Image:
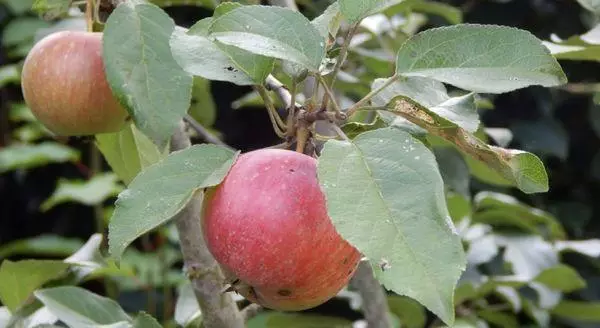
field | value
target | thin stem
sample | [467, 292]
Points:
[291, 119]
[371, 94]
[276, 86]
[166, 290]
[341, 59]
[278, 125]
[343, 53]
[204, 133]
[330, 94]
[340, 132]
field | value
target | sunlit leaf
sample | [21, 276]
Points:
[19, 279]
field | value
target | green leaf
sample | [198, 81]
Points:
[502, 210]
[19, 112]
[482, 250]
[590, 247]
[44, 245]
[454, 169]
[150, 269]
[487, 59]
[23, 156]
[511, 296]
[187, 310]
[328, 23]
[354, 11]
[459, 206]
[410, 313]
[199, 56]
[353, 129]
[19, 279]
[142, 72]
[583, 47]
[271, 31]
[384, 194]
[51, 9]
[561, 277]
[90, 193]
[499, 319]
[78, 307]
[528, 255]
[578, 310]
[21, 31]
[523, 169]
[452, 14]
[18, 7]
[128, 152]
[144, 320]
[591, 5]
[9, 74]
[296, 320]
[163, 189]
[203, 108]
[433, 95]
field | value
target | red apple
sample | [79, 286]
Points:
[65, 86]
[267, 226]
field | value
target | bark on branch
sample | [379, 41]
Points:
[218, 309]
[374, 301]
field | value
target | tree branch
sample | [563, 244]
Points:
[273, 84]
[218, 309]
[204, 133]
[374, 301]
[251, 311]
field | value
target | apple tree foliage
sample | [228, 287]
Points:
[386, 176]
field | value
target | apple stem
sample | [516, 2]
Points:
[374, 301]
[218, 309]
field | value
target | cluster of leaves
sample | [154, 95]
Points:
[386, 187]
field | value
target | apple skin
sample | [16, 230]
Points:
[64, 84]
[267, 226]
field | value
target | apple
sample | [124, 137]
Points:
[267, 226]
[64, 84]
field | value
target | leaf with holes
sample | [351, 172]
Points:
[523, 169]
[433, 95]
[385, 195]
